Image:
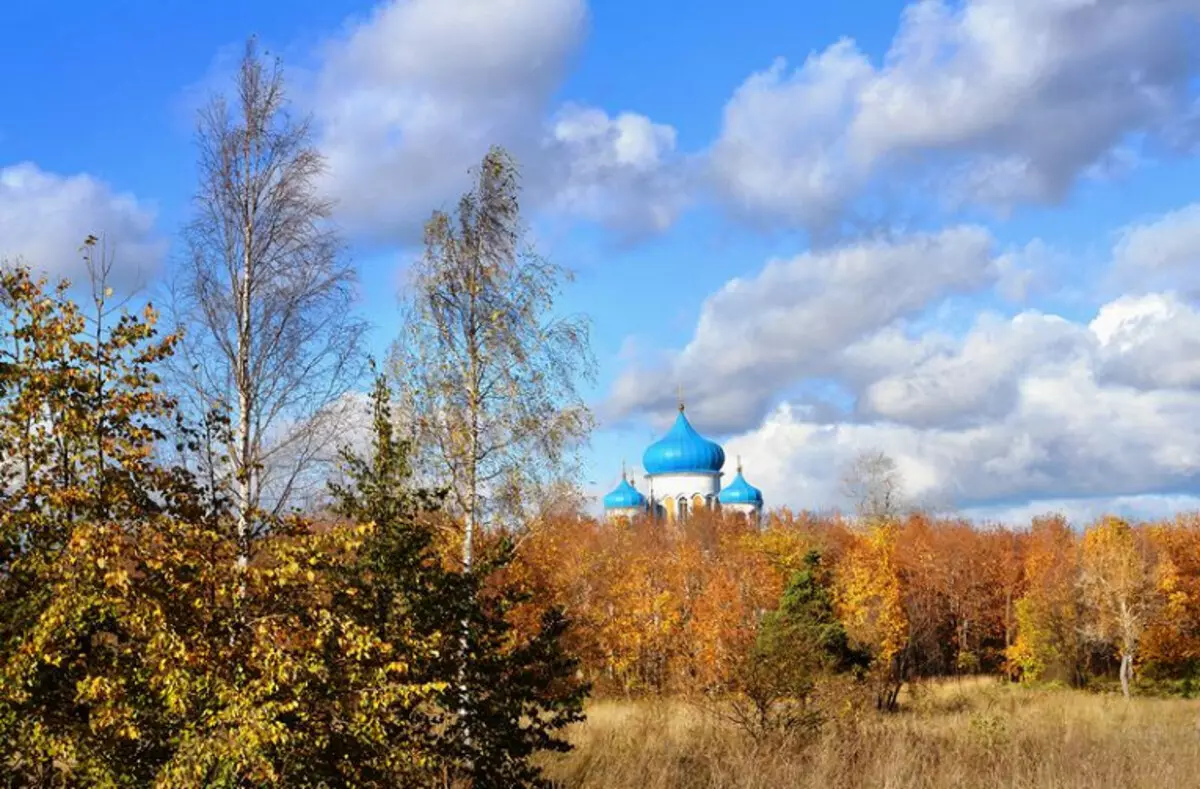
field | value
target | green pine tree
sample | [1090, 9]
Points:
[502, 702]
[797, 644]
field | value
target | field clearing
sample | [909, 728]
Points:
[976, 733]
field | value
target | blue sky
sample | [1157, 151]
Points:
[958, 232]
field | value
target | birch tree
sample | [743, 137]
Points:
[874, 486]
[489, 372]
[265, 294]
[1117, 581]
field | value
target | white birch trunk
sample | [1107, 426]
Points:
[245, 461]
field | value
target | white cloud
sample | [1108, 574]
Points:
[410, 99]
[988, 101]
[600, 157]
[1064, 436]
[1165, 250]
[1033, 408]
[1150, 342]
[978, 381]
[44, 218]
[782, 150]
[760, 334]
[1033, 269]
[998, 101]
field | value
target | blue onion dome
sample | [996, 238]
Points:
[682, 450]
[739, 491]
[624, 496]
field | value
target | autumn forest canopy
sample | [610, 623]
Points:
[203, 583]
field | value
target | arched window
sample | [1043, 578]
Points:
[683, 509]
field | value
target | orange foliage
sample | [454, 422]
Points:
[661, 607]
[1173, 634]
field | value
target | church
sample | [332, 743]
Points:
[683, 475]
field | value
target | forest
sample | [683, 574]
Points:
[235, 551]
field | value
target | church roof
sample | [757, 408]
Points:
[739, 491]
[682, 450]
[624, 496]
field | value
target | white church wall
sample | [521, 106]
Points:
[670, 486]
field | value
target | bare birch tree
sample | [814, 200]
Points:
[489, 372]
[265, 293]
[874, 486]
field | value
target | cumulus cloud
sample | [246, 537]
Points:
[44, 218]
[757, 335]
[1149, 342]
[782, 152]
[409, 99]
[994, 102]
[998, 102]
[599, 158]
[1059, 432]
[1035, 407]
[1161, 251]
[976, 382]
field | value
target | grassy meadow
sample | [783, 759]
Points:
[953, 734]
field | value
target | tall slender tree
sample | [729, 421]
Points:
[873, 484]
[489, 372]
[265, 293]
[1117, 581]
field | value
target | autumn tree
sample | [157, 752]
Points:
[133, 650]
[80, 411]
[1117, 581]
[1007, 550]
[870, 601]
[265, 294]
[1048, 644]
[952, 593]
[1171, 642]
[489, 371]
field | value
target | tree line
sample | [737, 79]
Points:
[688, 608]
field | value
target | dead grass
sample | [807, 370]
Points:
[956, 734]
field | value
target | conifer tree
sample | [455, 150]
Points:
[797, 644]
[515, 692]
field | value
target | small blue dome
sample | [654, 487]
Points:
[624, 496]
[740, 492]
[682, 450]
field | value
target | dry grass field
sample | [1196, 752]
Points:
[954, 735]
